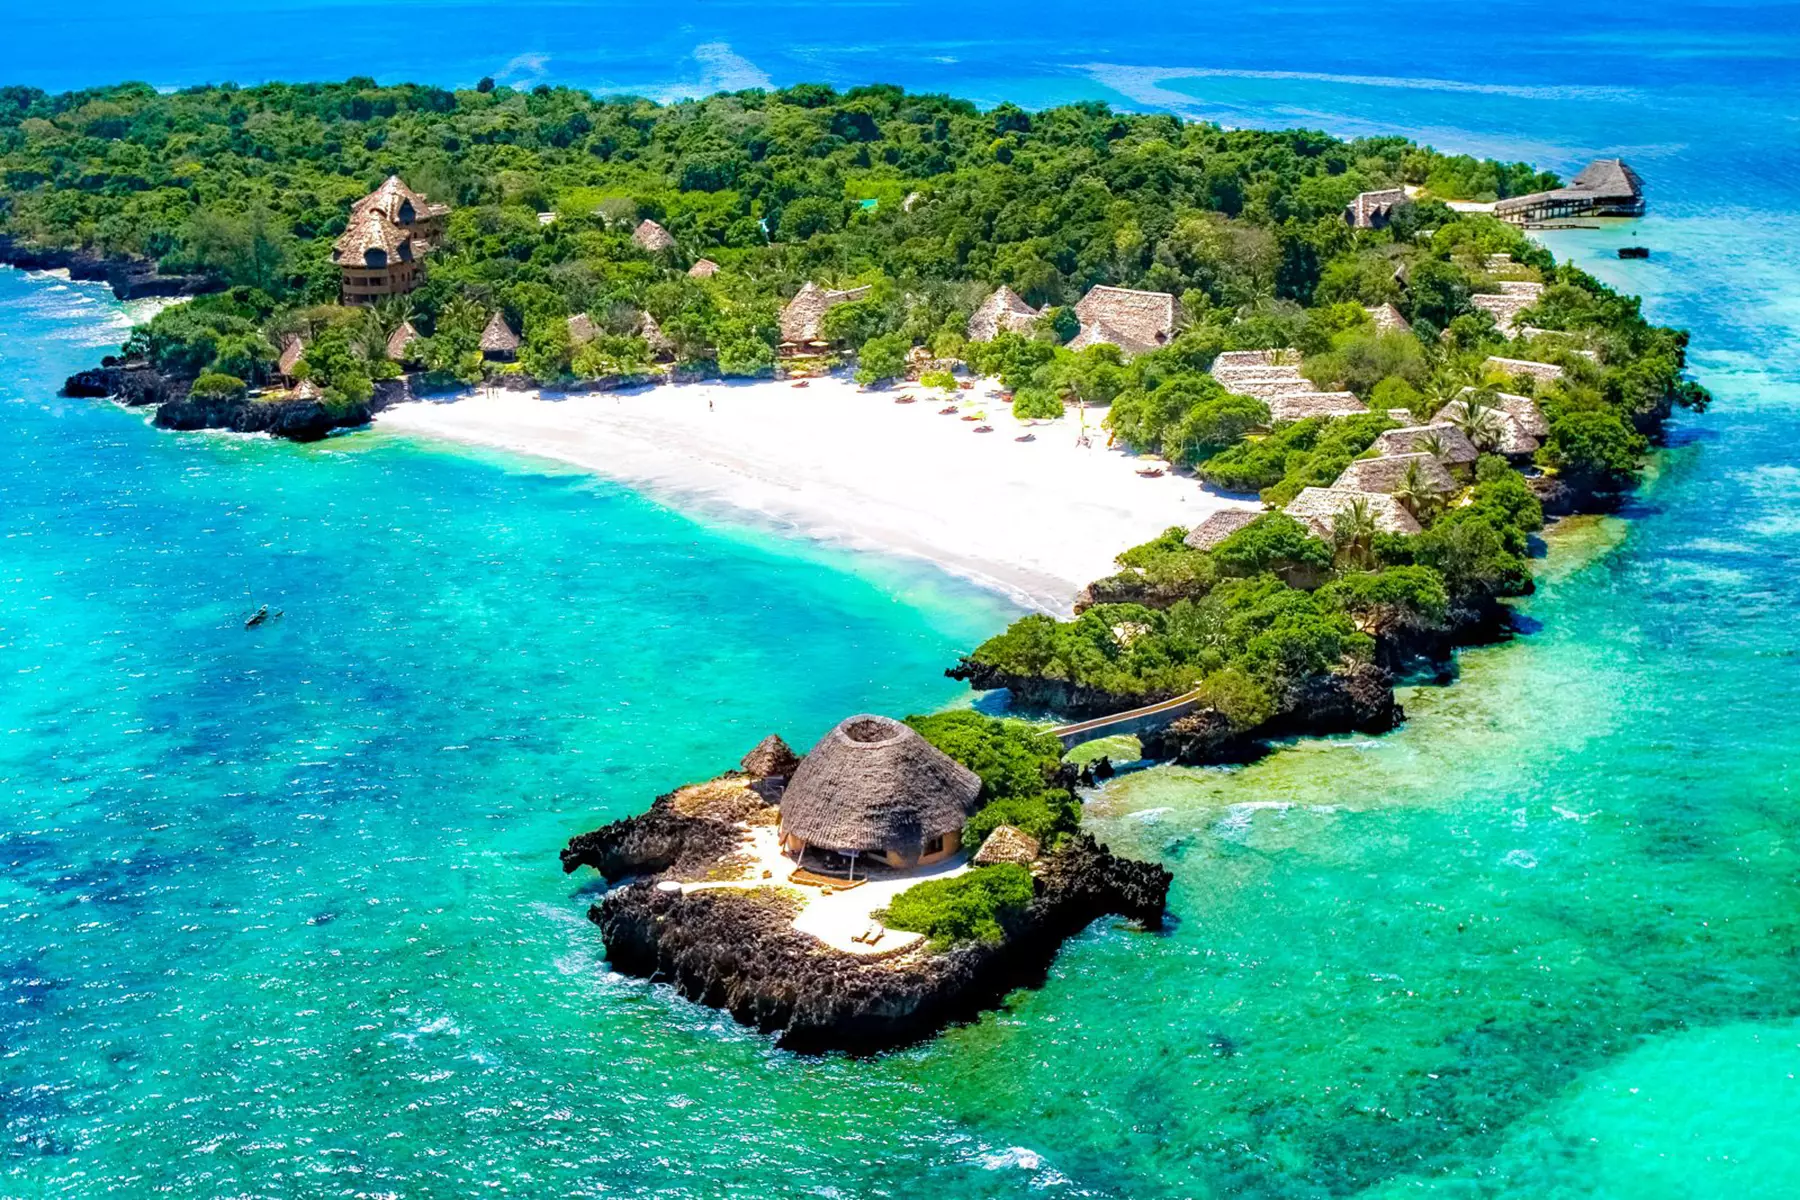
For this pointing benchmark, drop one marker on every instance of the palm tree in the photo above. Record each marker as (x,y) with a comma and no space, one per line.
(1415,492)
(1433,443)
(391,312)
(1480,419)
(1353,533)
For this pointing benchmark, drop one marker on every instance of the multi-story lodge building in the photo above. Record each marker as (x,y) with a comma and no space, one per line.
(383,247)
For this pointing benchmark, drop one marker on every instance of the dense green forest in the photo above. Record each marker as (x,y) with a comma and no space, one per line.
(933,203)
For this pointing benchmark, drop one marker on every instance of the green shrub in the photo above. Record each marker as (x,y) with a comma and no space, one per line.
(1046,816)
(215,386)
(972,907)
(1036,402)
(1012,757)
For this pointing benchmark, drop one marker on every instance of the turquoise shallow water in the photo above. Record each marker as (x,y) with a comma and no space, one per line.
(282,916)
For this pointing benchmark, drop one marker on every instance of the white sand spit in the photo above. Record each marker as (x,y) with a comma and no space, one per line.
(1034,520)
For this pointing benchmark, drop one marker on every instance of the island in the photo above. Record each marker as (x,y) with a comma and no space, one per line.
(1344,358)
(897,878)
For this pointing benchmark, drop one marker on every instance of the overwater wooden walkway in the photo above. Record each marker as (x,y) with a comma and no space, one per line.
(1136,720)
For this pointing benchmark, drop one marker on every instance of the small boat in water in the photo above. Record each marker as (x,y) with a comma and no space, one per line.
(1634,252)
(261,616)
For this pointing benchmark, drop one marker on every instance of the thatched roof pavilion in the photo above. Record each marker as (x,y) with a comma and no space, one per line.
(1218,527)
(1007,844)
(1135,321)
(1388,475)
(706,268)
(1373,210)
(1003,310)
(1318,509)
(652,237)
(1605,187)
(874,788)
(1450,445)
(498,340)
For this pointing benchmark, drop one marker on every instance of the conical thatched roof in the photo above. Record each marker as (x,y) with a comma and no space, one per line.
(291,353)
(801,319)
(706,268)
(1005,309)
(400,339)
(1007,844)
(582,329)
(1387,319)
(772,757)
(498,337)
(875,784)
(653,237)
(653,335)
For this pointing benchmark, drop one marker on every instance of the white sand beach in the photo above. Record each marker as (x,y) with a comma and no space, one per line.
(1035,520)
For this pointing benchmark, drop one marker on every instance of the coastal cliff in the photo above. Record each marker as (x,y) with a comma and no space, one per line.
(129,278)
(138,385)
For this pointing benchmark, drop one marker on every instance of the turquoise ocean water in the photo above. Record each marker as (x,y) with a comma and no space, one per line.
(282,917)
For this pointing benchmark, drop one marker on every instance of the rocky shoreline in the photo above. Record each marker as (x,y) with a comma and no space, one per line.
(137,385)
(735,948)
(129,278)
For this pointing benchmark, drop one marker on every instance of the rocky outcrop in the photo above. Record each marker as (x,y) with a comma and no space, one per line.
(736,949)
(1202,738)
(137,384)
(129,278)
(1356,699)
(658,841)
(133,384)
(1073,700)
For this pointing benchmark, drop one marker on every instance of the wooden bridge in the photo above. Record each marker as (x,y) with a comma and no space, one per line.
(1137,720)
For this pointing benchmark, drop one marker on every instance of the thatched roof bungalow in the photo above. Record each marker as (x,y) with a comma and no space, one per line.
(1448,444)
(706,268)
(1003,310)
(1510,437)
(1297,406)
(652,333)
(1516,295)
(388,233)
(498,341)
(1219,526)
(1134,321)
(873,788)
(1388,475)
(1541,371)
(1318,509)
(800,320)
(652,237)
(1373,210)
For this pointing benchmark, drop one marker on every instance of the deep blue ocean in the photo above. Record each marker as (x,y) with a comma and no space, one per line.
(281,914)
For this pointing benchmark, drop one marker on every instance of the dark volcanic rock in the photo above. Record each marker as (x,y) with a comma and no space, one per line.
(1358,699)
(1054,695)
(654,842)
(736,951)
(1199,739)
(135,385)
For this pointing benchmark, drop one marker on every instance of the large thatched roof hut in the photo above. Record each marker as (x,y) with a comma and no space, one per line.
(874,788)
(1509,437)
(1605,187)
(1297,406)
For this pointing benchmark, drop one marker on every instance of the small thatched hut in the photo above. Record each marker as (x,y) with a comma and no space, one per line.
(652,237)
(1007,844)
(1219,526)
(772,759)
(1540,371)
(498,341)
(1450,445)
(874,789)
(651,332)
(1387,319)
(706,268)
(1389,475)
(1509,436)
(400,342)
(1516,295)
(1003,310)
